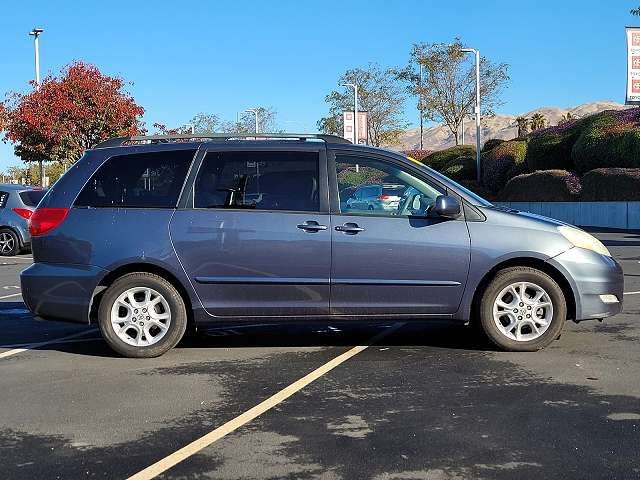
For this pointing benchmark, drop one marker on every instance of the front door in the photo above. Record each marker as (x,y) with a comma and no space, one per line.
(255,238)
(393,258)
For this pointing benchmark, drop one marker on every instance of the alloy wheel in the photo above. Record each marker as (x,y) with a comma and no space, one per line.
(523,311)
(140,316)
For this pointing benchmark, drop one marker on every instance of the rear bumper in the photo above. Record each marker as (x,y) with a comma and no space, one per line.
(60,292)
(592,276)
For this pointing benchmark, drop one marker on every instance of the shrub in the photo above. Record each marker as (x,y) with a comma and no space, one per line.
(478,189)
(542,186)
(609,139)
(502,163)
(611,184)
(491,144)
(439,159)
(461,168)
(550,148)
(419,155)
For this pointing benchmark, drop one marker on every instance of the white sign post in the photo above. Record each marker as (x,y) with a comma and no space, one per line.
(633,66)
(349,127)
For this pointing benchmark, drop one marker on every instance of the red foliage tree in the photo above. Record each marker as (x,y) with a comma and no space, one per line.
(69,114)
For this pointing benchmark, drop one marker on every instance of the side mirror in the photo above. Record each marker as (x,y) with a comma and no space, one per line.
(446,206)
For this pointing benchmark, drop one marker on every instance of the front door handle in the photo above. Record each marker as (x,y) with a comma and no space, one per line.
(311,226)
(349,228)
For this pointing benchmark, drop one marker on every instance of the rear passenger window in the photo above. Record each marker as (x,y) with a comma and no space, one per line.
(3,199)
(143,180)
(31,198)
(259,181)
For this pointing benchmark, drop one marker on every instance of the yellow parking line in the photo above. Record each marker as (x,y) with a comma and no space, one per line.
(194,447)
(31,346)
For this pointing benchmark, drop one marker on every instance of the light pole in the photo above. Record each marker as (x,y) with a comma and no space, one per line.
(35,33)
(477,107)
(355,110)
(421,109)
(255,112)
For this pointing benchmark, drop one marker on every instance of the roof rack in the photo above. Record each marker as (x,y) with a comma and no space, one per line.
(196,137)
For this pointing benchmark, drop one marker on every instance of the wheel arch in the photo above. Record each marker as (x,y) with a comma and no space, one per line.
(142,267)
(532,262)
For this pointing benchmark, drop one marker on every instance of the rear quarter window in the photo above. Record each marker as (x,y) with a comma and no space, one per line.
(140,180)
(31,198)
(4,196)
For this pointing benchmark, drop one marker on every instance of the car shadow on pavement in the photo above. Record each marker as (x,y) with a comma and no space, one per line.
(434,334)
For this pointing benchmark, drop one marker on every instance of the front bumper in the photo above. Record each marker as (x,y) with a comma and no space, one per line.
(60,292)
(593,278)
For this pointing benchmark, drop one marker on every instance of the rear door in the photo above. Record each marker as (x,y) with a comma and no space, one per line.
(254,236)
(393,260)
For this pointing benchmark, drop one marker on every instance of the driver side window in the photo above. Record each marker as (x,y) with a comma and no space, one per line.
(370,186)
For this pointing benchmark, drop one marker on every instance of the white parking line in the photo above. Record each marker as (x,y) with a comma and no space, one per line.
(232,425)
(31,346)
(632,293)
(12,295)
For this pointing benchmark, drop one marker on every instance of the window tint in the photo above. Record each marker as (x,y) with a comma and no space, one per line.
(386,188)
(31,198)
(148,180)
(4,196)
(259,180)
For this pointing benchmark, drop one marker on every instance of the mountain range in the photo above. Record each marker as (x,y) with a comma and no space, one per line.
(498,126)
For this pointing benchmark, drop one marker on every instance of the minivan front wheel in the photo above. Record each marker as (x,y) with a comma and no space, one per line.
(523,309)
(141,315)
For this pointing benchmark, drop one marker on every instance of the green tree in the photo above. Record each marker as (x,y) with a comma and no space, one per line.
(379,94)
(537,122)
(447,87)
(523,124)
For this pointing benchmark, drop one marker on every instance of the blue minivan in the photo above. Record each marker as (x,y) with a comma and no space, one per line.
(147,235)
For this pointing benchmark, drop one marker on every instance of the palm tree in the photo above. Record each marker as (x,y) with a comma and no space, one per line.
(537,122)
(523,126)
(566,118)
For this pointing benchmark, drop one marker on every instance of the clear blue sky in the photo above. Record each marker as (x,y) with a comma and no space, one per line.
(225,56)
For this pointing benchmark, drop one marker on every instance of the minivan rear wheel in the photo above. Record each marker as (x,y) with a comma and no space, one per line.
(141,315)
(522,309)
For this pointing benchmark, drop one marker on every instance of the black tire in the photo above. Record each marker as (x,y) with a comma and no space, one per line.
(14,247)
(176,328)
(509,276)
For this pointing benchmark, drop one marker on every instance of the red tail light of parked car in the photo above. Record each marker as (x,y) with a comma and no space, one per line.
(23,212)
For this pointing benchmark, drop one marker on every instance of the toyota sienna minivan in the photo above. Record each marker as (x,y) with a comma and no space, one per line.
(144,236)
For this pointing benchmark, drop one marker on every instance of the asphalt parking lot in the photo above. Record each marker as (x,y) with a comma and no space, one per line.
(427,400)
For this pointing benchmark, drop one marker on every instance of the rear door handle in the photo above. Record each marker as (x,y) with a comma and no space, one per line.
(311,226)
(349,228)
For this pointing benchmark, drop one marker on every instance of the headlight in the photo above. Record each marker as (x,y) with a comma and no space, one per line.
(580,238)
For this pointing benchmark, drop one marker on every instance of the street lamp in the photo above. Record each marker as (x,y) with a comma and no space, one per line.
(421,109)
(355,109)
(476,110)
(255,112)
(35,33)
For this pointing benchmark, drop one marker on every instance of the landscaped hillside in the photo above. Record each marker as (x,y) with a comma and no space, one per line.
(594,158)
(499,126)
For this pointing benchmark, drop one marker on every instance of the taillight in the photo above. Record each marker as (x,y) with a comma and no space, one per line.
(384,197)
(23,212)
(44,220)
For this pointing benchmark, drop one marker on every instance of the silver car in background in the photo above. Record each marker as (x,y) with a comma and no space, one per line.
(17,204)
(384,196)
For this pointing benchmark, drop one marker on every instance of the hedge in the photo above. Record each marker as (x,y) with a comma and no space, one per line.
(550,148)
(461,168)
(439,159)
(542,186)
(609,139)
(611,184)
(419,155)
(491,144)
(502,163)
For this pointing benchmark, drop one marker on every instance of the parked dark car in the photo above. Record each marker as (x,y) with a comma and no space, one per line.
(146,235)
(17,204)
